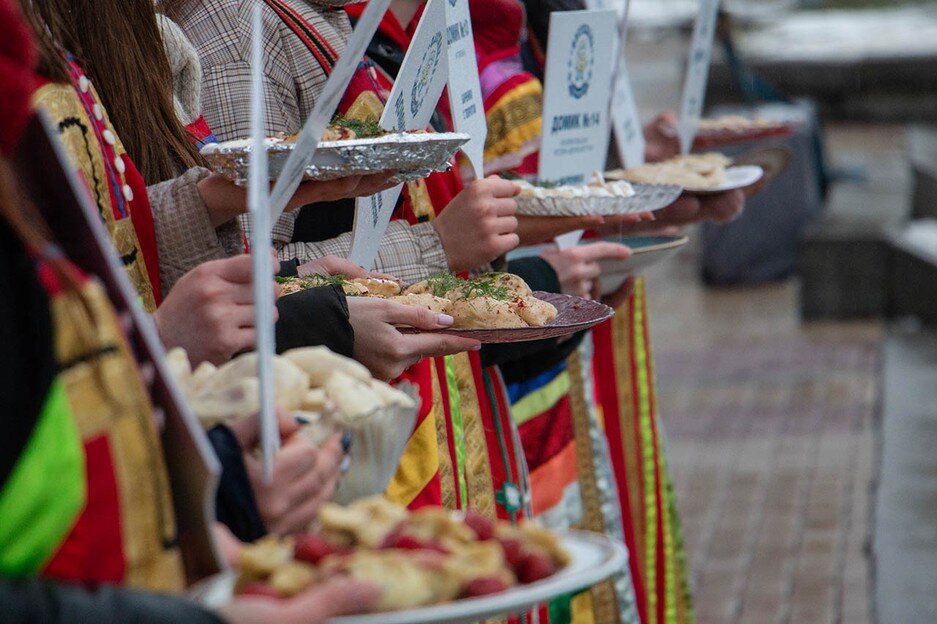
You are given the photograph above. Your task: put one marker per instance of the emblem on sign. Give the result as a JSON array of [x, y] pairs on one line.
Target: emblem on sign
[[428, 66], [581, 60]]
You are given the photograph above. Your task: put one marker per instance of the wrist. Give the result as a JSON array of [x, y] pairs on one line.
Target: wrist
[[451, 258], [223, 199]]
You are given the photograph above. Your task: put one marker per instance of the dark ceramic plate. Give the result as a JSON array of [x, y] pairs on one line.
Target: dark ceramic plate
[[574, 314]]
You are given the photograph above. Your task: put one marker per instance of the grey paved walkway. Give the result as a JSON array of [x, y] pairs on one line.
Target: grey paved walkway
[[771, 447], [906, 507], [772, 435]]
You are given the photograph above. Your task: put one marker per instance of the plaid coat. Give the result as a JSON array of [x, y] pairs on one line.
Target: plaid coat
[[293, 78]]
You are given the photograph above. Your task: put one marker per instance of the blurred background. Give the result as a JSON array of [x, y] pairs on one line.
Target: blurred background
[[796, 359]]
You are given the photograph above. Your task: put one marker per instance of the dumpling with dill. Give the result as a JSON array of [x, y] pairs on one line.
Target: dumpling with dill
[[498, 300]]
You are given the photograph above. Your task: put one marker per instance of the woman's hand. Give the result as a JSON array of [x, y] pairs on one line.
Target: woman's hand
[[578, 268], [225, 200], [304, 477], [386, 351], [479, 224], [210, 311], [660, 138], [312, 191], [331, 265], [321, 602]]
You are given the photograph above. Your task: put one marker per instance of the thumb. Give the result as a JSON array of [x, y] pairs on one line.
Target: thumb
[[421, 318], [286, 423], [599, 251], [246, 430], [236, 269]]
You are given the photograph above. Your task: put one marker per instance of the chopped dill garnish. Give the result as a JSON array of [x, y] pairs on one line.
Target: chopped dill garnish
[[547, 184], [484, 286], [313, 281], [441, 283], [326, 280], [363, 128]]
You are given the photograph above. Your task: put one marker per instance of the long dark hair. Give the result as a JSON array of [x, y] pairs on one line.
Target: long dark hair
[[118, 44]]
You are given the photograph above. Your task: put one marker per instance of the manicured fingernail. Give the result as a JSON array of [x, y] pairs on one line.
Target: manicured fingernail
[[346, 442], [444, 319], [302, 420], [477, 347], [345, 465]]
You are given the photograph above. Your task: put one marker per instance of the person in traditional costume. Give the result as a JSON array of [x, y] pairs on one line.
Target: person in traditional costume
[[87, 526], [588, 465], [246, 504], [182, 236]]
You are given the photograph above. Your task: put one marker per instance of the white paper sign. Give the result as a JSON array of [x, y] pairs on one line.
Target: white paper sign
[[629, 136], [308, 140], [626, 123], [465, 91], [697, 73], [410, 106], [258, 203], [577, 86]]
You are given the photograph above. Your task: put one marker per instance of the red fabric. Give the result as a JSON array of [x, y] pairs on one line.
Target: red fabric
[[496, 26], [605, 377], [141, 215], [389, 25], [200, 132], [93, 552], [17, 82], [547, 434]]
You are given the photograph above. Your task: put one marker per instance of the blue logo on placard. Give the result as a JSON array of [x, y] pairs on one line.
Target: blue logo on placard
[[581, 60], [424, 76]]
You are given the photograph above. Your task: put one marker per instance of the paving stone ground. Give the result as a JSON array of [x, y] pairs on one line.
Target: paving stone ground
[[772, 450], [772, 443]]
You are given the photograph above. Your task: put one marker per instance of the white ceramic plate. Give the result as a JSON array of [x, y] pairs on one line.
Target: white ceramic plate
[[646, 251], [736, 178], [594, 559]]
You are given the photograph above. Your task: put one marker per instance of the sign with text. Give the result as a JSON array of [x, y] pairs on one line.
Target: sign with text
[[577, 86], [465, 91], [410, 106], [629, 136], [697, 73], [626, 123]]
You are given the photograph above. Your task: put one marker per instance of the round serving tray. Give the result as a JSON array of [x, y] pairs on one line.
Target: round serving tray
[[412, 155], [594, 558], [574, 314]]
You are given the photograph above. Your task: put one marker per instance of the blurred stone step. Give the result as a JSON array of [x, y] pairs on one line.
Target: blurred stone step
[[863, 269], [844, 270], [922, 153], [905, 539], [913, 270]]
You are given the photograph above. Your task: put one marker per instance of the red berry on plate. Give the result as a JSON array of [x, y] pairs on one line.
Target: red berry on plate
[[513, 552], [483, 586], [483, 527], [312, 548], [536, 566], [402, 541], [259, 590]]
